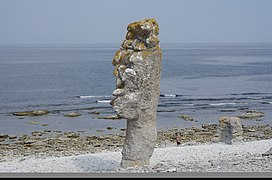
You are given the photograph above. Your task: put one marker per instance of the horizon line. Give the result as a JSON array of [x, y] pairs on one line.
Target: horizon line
[[62, 43]]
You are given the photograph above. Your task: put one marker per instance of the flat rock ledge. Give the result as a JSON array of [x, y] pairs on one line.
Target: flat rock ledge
[[31, 113]]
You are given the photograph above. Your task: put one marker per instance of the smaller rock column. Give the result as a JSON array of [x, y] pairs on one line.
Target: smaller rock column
[[230, 130]]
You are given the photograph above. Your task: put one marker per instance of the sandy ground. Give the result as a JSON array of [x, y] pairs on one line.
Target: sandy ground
[[216, 157]]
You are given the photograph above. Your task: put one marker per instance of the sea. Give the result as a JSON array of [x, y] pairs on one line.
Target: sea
[[202, 80]]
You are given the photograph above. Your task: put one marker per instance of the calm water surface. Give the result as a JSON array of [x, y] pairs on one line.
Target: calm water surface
[[204, 81]]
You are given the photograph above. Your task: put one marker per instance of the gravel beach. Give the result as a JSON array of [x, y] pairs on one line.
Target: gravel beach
[[198, 151], [209, 157]]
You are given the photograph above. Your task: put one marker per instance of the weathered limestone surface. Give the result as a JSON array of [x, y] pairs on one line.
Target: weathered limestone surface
[[138, 70], [230, 130]]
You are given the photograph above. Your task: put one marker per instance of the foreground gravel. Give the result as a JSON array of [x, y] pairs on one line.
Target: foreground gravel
[[243, 157], [213, 157]]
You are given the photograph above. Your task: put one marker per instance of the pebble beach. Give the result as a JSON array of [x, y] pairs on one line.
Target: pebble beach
[[71, 152], [242, 157]]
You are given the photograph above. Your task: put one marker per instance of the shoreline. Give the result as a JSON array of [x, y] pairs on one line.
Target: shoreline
[[43, 144]]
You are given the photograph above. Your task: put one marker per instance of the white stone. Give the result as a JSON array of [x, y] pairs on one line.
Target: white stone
[[130, 72], [136, 57], [117, 92]]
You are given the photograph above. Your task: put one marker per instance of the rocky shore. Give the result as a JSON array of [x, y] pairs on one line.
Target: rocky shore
[[49, 143], [248, 158]]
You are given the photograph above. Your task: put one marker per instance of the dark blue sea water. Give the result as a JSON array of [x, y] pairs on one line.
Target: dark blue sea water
[[205, 81]]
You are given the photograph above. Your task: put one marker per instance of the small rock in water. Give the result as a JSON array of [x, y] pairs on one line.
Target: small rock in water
[[109, 128], [265, 103], [39, 112], [33, 122], [72, 114], [251, 114], [186, 117], [243, 108], [21, 114], [95, 112], [31, 113], [109, 117]]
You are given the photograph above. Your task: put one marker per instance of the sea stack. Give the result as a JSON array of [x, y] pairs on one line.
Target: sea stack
[[230, 129], [138, 70]]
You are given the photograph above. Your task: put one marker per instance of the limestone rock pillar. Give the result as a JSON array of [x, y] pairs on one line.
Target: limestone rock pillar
[[230, 129], [138, 71]]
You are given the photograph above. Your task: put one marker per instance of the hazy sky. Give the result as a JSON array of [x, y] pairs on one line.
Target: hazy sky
[[105, 21]]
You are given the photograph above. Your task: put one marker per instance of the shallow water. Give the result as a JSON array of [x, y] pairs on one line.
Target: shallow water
[[204, 81]]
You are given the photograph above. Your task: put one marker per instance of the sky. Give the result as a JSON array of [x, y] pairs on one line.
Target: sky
[[105, 21]]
